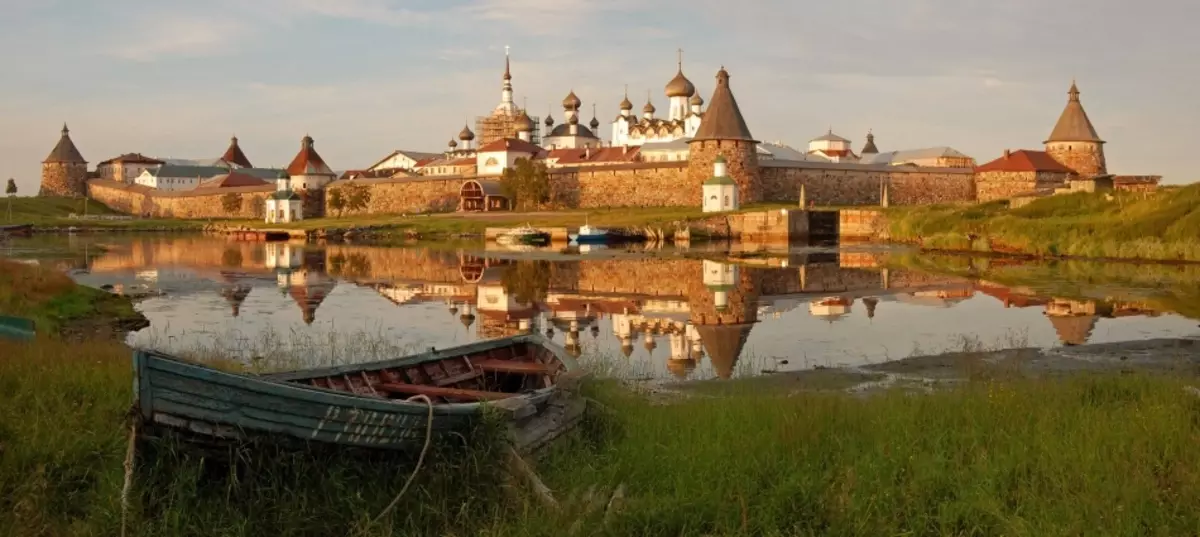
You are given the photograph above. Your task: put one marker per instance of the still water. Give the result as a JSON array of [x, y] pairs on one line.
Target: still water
[[647, 312]]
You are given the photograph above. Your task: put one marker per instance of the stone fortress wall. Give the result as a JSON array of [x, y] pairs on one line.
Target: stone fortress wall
[[148, 202]]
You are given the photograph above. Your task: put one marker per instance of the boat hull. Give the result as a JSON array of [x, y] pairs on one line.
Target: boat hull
[[590, 239], [220, 405]]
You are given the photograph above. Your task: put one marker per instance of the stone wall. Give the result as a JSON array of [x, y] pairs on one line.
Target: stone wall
[[63, 179], [996, 185], [659, 184], [147, 202], [857, 184], [1085, 158], [861, 224], [403, 195]]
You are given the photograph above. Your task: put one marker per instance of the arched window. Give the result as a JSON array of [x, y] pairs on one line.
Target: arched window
[[491, 162], [713, 198], [726, 201]]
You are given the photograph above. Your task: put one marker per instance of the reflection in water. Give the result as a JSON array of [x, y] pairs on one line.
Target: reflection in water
[[655, 315]]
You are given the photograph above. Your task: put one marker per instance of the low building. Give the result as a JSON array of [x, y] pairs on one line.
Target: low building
[[931, 157], [1136, 183], [493, 158], [1019, 173], [173, 178], [284, 205], [126, 168], [450, 166], [720, 192], [668, 151], [233, 179], [589, 156], [401, 161], [832, 147], [308, 170]]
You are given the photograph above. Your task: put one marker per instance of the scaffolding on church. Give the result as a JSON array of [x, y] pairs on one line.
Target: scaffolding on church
[[494, 127]]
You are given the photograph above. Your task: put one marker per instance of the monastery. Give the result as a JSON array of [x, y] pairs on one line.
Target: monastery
[[646, 160]]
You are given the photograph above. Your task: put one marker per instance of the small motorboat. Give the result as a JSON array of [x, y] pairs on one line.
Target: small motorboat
[[589, 235], [525, 234], [367, 405]]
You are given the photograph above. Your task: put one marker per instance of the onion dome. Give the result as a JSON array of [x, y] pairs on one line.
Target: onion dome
[[625, 104], [524, 123], [680, 86], [696, 100], [594, 123], [453, 144], [466, 135], [649, 108], [549, 121], [571, 102]]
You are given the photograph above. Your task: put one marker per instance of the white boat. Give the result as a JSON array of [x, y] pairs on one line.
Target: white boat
[[589, 235]]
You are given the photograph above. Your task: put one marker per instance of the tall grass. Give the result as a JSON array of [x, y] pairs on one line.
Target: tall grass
[[1159, 226], [1086, 456]]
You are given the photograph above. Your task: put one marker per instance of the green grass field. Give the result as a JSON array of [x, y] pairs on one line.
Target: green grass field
[[49, 211], [1082, 456], [53, 300], [1162, 226]]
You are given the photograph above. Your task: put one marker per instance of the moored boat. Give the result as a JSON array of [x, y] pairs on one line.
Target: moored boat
[[525, 234], [19, 230], [589, 235], [365, 405]]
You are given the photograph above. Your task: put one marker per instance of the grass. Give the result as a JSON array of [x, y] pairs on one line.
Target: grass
[[55, 212], [53, 300], [463, 223], [1163, 226], [1088, 455]]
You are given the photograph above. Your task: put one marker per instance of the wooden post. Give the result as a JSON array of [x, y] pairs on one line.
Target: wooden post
[[803, 197]]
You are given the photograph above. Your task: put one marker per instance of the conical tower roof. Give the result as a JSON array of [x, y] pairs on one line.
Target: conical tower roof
[[870, 147], [1073, 125], [1073, 330], [723, 120], [307, 161], [65, 151], [235, 155], [724, 344]]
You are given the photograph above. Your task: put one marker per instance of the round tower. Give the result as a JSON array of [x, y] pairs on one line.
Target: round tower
[[723, 131], [1074, 142], [64, 172]]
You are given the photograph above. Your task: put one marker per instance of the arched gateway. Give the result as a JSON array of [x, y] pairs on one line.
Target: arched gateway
[[477, 195]]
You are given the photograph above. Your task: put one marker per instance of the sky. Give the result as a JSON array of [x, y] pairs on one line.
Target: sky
[[177, 78]]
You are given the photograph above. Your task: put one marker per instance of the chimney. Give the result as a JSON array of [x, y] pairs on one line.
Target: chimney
[[624, 149], [506, 143], [1007, 153], [587, 152]]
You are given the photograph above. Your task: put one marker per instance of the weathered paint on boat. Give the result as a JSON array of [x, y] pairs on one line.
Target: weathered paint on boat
[[214, 403], [18, 328]]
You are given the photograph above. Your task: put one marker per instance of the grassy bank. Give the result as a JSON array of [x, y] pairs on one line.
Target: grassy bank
[[1162, 226], [1083, 456], [56, 303], [56, 212]]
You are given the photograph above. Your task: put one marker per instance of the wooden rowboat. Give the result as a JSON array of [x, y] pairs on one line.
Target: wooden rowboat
[[527, 377]]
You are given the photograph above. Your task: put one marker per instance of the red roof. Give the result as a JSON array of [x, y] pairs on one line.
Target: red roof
[[231, 180], [132, 158], [235, 155], [307, 161], [596, 155], [510, 144], [834, 152], [1024, 160]]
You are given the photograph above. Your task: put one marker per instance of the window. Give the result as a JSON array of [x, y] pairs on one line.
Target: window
[[726, 201], [491, 162], [713, 198]]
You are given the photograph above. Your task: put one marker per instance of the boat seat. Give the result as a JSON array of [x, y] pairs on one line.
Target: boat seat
[[438, 391], [511, 366]]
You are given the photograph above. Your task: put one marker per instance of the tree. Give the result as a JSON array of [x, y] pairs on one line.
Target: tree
[[337, 201], [526, 184], [231, 203], [358, 196], [11, 190]]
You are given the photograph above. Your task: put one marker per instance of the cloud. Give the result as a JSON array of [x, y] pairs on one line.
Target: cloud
[[176, 35]]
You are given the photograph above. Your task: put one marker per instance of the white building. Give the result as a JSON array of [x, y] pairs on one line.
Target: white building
[[174, 178], [284, 205], [402, 161], [126, 168], [684, 114], [494, 157], [720, 191], [832, 147], [308, 171]]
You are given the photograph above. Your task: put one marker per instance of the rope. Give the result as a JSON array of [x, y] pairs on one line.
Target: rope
[[420, 460], [130, 450]]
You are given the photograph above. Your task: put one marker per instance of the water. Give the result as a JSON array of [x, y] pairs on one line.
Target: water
[[644, 312]]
